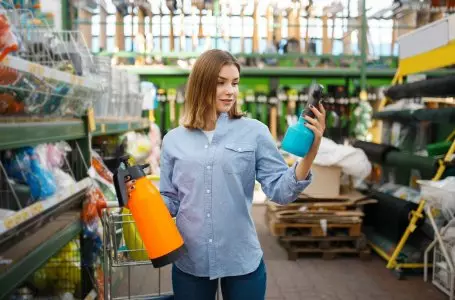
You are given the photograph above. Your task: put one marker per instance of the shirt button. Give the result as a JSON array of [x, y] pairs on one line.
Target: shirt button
[[206, 146], [240, 149], [208, 191], [208, 215], [210, 240], [208, 167]]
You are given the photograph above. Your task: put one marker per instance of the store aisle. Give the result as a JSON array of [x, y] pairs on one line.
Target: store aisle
[[338, 279], [306, 278]]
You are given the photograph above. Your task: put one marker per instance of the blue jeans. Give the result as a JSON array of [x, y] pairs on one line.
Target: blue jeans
[[245, 287]]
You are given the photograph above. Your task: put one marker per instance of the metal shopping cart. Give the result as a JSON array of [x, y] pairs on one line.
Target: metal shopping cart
[[128, 273]]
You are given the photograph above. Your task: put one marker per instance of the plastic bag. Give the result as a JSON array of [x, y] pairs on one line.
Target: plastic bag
[[24, 166], [52, 157], [8, 42], [100, 168], [441, 194]]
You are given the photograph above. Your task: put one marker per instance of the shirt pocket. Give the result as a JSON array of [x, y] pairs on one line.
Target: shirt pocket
[[238, 158]]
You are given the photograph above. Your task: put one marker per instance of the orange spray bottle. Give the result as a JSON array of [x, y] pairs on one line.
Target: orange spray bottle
[[157, 229]]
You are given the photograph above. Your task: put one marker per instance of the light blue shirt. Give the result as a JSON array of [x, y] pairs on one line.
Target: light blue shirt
[[209, 188]]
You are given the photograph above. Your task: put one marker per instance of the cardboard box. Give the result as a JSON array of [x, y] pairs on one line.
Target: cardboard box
[[326, 182]]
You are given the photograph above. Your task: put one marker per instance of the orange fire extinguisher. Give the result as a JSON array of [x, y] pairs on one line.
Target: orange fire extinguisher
[[155, 225]]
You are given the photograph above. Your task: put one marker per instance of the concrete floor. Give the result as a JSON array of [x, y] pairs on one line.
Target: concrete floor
[[311, 278], [307, 278]]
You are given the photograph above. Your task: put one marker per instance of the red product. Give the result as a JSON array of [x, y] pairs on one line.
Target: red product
[[8, 42]]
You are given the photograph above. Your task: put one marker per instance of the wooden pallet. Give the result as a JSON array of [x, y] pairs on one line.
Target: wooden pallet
[[314, 229], [329, 247]]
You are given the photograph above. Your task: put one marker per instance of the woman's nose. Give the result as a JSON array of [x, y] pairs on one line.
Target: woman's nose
[[229, 89]]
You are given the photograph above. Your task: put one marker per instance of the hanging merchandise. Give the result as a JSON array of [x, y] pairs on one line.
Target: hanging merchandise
[[262, 109], [103, 177], [171, 113], [92, 208], [273, 118], [250, 104], [52, 158], [241, 103], [8, 41], [160, 114], [293, 98], [363, 115], [24, 166], [302, 100], [139, 146], [282, 111], [148, 90], [179, 105], [154, 156]]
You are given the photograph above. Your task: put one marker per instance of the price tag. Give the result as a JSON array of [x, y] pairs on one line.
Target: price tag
[[36, 69], [10, 222], [76, 80], [103, 128], [36, 208], [91, 120]]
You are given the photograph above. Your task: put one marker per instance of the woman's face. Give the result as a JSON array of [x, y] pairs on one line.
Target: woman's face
[[227, 88]]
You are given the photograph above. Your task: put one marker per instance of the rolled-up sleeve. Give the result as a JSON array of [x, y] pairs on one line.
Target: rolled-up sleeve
[[167, 189], [277, 179]]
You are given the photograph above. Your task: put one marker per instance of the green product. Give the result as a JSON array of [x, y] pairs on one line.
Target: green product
[[407, 161], [440, 148], [159, 115], [251, 108], [262, 108], [282, 111]]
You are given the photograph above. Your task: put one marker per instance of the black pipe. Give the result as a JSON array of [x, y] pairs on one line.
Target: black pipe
[[437, 87]]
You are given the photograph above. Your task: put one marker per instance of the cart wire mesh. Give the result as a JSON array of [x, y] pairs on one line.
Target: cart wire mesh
[[129, 273]]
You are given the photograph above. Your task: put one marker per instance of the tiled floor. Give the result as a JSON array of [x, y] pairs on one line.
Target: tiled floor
[[338, 279], [307, 278]]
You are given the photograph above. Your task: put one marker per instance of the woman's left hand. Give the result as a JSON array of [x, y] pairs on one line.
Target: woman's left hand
[[317, 124]]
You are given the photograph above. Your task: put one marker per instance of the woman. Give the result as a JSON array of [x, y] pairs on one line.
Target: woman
[[208, 171]]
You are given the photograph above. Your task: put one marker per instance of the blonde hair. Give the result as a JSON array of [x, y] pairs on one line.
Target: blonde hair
[[200, 95]]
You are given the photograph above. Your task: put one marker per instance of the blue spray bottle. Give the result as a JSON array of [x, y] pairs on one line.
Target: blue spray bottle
[[299, 138]]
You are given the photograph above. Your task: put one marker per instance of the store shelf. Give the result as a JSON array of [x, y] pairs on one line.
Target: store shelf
[[17, 134], [20, 260], [281, 71], [34, 212], [108, 127], [441, 115], [42, 71]]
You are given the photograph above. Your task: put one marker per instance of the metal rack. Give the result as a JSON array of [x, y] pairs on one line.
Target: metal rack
[[418, 56], [123, 251], [52, 73]]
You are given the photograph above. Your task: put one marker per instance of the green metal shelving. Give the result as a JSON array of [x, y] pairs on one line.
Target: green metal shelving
[[30, 253], [116, 127], [16, 135], [284, 71], [48, 240]]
